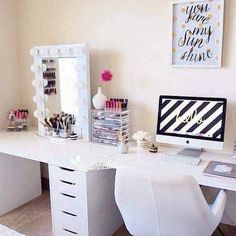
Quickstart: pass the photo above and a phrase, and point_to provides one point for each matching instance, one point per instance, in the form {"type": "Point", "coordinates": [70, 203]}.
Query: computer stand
{"type": "Point", "coordinates": [190, 152]}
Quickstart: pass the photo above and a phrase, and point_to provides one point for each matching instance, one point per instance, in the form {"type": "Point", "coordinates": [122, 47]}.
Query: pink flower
{"type": "Point", "coordinates": [106, 76]}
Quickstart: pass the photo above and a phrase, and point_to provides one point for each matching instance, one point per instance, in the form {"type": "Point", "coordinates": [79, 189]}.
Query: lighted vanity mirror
{"type": "Point", "coordinates": [62, 84]}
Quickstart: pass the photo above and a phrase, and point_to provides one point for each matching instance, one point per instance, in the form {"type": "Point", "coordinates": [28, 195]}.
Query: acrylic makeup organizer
{"type": "Point", "coordinates": [106, 124]}
{"type": "Point", "coordinates": [17, 123]}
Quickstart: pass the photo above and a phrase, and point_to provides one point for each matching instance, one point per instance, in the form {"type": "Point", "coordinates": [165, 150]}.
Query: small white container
{"type": "Point", "coordinates": [54, 133]}
{"type": "Point", "coordinates": [47, 131]}
{"type": "Point", "coordinates": [63, 134]}
{"type": "Point", "coordinates": [142, 144]}
{"type": "Point", "coordinates": [123, 147]}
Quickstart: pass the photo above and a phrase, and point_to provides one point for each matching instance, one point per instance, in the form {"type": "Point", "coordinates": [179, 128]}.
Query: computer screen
{"type": "Point", "coordinates": [192, 117]}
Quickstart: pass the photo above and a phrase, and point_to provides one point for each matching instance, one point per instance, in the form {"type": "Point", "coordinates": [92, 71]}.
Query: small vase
{"type": "Point", "coordinates": [99, 100]}
{"type": "Point", "coordinates": [123, 147]}
{"type": "Point", "coordinates": [142, 144]}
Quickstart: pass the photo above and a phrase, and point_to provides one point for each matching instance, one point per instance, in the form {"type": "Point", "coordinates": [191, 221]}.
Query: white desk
{"type": "Point", "coordinates": [150, 160]}
{"type": "Point", "coordinates": [82, 179]}
{"type": "Point", "coordinates": [82, 201]}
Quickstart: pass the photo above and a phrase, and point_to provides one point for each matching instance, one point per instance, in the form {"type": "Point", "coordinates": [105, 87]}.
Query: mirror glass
{"type": "Point", "coordinates": [61, 92]}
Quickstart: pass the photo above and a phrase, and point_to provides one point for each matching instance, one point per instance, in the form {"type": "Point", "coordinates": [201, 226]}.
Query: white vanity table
{"type": "Point", "coordinates": [82, 179]}
{"type": "Point", "coordinates": [82, 201]}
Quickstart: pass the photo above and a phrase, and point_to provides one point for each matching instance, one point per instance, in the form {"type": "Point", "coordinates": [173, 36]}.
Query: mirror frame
{"type": "Point", "coordinates": [79, 51]}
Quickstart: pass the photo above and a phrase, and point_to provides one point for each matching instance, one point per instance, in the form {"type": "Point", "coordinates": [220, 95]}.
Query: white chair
{"type": "Point", "coordinates": [157, 204]}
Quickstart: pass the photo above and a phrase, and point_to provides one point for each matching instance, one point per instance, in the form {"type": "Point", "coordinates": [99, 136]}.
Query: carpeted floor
{"type": "Point", "coordinates": [31, 219]}
{"type": "Point", "coordinates": [34, 219]}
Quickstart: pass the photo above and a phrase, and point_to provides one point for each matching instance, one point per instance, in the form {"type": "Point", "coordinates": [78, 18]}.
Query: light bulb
{"type": "Point", "coordinates": [44, 67]}
{"type": "Point", "coordinates": [34, 83]}
{"type": "Point", "coordinates": [35, 98]}
{"type": "Point", "coordinates": [32, 68]}
{"type": "Point", "coordinates": [77, 51]}
{"type": "Point", "coordinates": [36, 113]}
{"type": "Point", "coordinates": [44, 52]}
{"type": "Point", "coordinates": [32, 52]}
{"type": "Point", "coordinates": [71, 51]}
{"type": "Point", "coordinates": [54, 52]}
{"type": "Point", "coordinates": [45, 82]}
{"type": "Point", "coordinates": [64, 51]}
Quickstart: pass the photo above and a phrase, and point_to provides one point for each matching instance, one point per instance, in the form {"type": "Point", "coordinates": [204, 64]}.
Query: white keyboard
{"type": "Point", "coordinates": [176, 158]}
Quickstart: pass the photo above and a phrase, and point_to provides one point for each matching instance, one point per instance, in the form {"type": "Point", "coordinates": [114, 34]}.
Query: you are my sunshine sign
{"type": "Point", "coordinates": [197, 33]}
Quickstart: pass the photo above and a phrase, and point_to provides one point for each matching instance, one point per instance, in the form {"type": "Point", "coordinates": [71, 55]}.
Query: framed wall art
{"type": "Point", "coordinates": [197, 29]}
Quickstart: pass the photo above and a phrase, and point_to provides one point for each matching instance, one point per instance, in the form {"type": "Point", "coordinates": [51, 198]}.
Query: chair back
{"type": "Point", "coordinates": [160, 204]}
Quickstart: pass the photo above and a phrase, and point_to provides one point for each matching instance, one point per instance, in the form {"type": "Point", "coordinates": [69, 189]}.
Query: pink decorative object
{"type": "Point", "coordinates": [106, 76]}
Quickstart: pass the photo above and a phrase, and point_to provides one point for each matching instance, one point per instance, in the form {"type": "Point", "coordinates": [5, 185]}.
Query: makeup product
{"type": "Point", "coordinates": [116, 104]}
{"type": "Point", "coordinates": [60, 124]}
{"type": "Point", "coordinates": [50, 76]}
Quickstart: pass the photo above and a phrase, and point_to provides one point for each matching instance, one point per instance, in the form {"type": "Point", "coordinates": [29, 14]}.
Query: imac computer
{"type": "Point", "coordinates": [192, 122]}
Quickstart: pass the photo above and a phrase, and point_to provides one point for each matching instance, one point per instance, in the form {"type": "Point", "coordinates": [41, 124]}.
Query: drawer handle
{"type": "Point", "coordinates": [68, 213]}
{"type": "Point", "coordinates": [63, 168]}
{"type": "Point", "coordinates": [69, 231]}
{"type": "Point", "coordinates": [68, 195]}
{"type": "Point", "coordinates": [67, 182]}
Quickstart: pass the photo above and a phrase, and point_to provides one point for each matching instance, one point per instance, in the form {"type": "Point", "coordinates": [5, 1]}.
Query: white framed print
{"type": "Point", "coordinates": [197, 33]}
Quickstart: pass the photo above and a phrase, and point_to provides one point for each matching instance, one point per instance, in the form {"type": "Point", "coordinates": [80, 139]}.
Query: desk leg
{"type": "Point", "coordinates": [20, 182]}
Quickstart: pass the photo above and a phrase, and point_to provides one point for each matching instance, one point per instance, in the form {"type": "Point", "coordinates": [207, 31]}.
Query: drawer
{"type": "Point", "coordinates": [65, 174]}
{"type": "Point", "coordinates": [65, 232]}
{"type": "Point", "coordinates": [67, 187]}
{"type": "Point", "coordinates": [69, 203]}
{"type": "Point", "coordinates": [68, 222]}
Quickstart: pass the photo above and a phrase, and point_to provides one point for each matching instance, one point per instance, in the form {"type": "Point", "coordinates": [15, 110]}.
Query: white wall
{"type": "Point", "coordinates": [9, 68]}
{"type": "Point", "coordinates": [133, 39]}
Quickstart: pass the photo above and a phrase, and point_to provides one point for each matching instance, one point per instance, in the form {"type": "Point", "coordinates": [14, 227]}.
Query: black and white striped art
{"type": "Point", "coordinates": [191, 117]}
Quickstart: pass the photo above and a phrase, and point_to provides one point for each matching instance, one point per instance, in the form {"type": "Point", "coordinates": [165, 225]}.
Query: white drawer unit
{"type": "Point", "coordinates": [79, 202]}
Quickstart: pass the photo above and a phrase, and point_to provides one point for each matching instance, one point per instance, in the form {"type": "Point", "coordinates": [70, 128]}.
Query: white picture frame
{"type": "Point", "coordinates": [210, 39]}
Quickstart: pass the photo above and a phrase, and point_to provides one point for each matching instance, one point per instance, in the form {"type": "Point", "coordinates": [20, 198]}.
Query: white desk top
{"type": "Point", "coordinates": [31, 146]}
{"type": "Point", "coordinates": [85, 156]}
{"type": "Point", "coordinates": [149, 160]}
